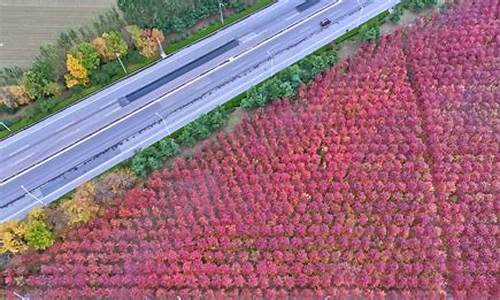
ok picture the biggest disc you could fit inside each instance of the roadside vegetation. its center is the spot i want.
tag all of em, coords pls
(89, 200)
(85, 60)
(370, 183)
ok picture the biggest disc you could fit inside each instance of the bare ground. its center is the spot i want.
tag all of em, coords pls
(25, 25)
(350, 47)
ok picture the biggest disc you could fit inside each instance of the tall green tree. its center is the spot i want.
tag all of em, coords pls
(87, 55)
(36, 81)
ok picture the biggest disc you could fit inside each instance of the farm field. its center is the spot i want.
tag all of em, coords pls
(25, 25)
(379, 181)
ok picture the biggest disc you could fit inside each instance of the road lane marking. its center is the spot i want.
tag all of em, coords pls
(292, 16)
(23, 158)
(115, 161)
(153, 68)
(112, 111)
(207, 73)
(19, 150)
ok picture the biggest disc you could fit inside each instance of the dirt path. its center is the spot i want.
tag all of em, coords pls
(349, 47)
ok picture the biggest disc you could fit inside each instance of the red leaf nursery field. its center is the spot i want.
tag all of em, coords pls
(381, 181)
(456, 73)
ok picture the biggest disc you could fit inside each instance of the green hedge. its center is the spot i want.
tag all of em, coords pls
(283, 84)
(375, 21)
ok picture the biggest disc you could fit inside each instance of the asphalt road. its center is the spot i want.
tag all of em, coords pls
(92, 136)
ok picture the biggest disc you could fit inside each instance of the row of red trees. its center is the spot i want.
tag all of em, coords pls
(365, 187)
(456, 75)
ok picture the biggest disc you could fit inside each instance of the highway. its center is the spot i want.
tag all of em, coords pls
(47, 160)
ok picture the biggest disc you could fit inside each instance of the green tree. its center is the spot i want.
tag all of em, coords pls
(370, 33)
(115, 44)
(418, 5)
(138, 165)
(53, 59)
(396, 14)
(36, 82)
(199, 129)
(168, 147)
(154, 162)
(292, 75)
(287, 89)
(215, 119)
(254, 98)
(271, 88)
(38, 235)
(187, 137)
(10, 75)
(87, 55)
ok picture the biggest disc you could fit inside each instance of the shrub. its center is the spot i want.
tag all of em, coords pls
(110, 45)
(38, 235)
(8, 110)
(112, 69)
(100, 78)
(134, 57)
(114, 184)
(46, 106)
(12, 237)
(87, 55)
(13, 96)
(146, 40)
(370, 33)
(36, 83)
(33, 111)
(153, 157)
(81, 207)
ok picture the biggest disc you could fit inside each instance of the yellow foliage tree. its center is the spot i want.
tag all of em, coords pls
(110, 46)
(11, 237)
(81, 208)
(157, 35)
(151, 39)
(135, 33)
(146, 41)
(77, 74)
(36, 214)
